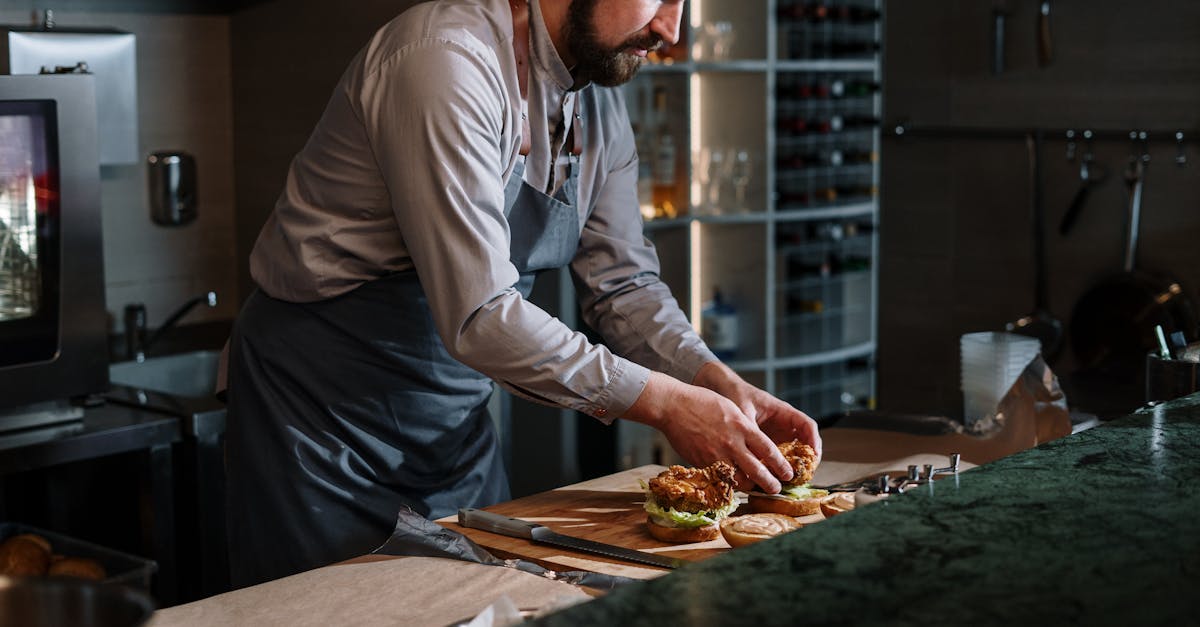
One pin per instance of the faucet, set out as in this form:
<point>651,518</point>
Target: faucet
<point>136,340</point>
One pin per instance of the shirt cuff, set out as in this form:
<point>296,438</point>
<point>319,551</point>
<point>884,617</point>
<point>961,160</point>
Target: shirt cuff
<point>626,385</point>
<point>685,367</point>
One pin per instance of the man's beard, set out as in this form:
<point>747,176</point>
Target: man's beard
<point>594,61</point>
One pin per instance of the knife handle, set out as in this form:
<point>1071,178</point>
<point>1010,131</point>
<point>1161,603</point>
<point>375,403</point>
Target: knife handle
<point>495,523</point>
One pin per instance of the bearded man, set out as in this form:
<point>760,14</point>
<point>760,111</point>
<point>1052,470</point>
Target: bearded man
<point>469,146</point>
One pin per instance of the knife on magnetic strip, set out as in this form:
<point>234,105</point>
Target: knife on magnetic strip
<point>517,528</point>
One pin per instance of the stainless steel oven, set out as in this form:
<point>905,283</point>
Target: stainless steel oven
<point>52,312</point>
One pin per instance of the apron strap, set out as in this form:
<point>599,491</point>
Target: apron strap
<point>520,22</point>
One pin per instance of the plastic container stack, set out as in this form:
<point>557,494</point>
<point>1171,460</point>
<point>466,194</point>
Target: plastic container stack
<point>991,363</point>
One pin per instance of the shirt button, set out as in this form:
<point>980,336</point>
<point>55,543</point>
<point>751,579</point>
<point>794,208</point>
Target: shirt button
<point>600,413</point>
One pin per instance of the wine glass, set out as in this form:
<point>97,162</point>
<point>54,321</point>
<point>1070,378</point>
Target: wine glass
<point>741,170</point>
<point>718,173</point>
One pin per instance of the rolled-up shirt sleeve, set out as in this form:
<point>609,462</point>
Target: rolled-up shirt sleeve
<point>438,129</point>
<point>616,272</point>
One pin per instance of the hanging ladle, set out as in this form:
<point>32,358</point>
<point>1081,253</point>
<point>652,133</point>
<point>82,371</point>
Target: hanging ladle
<point>1039,323</point>
<point>1090,175</point>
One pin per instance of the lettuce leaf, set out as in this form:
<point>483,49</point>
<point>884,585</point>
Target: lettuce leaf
<point>800,492</point>
<point>671,517</point>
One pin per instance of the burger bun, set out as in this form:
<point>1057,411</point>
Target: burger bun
<point>775,504</point>
<point>682,535</point>
<point>751,528</point>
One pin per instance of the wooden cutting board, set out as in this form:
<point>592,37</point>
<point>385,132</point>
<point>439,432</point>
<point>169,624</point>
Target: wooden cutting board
<point>607,509</point>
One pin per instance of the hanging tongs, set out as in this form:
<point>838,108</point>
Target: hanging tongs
<point>1135,177</point>
<point>1090,175</point>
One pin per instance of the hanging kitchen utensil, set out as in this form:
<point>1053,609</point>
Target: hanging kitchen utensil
<point>1000,14</point>
<point>1045,42</point>
<point>1113,323</point>
<point>1090,175</point>
<point>1039,323</point>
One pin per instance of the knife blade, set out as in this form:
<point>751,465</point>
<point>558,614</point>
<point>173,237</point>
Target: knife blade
<point>517,528</point>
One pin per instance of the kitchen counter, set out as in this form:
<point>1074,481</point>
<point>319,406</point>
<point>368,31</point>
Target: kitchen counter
<point>1101,527</point>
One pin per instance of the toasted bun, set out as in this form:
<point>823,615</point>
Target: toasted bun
<point>34,538</point>
<point>751,528</point>
<point>79,567</point>
<point>771,503</point>
<point>682,535</point>
<point>837,503</point>
<point>23,557</point>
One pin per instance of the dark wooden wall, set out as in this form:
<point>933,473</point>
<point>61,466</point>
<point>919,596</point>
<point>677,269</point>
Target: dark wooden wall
<point>956,244</point>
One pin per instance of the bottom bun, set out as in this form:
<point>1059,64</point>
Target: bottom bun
<point>680,535</point>
<point>764,503</point>
<point>835,504</point>
<point>751,528</point>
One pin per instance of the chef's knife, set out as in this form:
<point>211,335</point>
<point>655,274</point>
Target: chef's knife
<point>517,528</point>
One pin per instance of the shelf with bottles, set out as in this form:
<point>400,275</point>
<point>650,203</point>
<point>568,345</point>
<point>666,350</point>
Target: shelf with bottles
<point>828,318</point>
<point>731,259</point>
<point>828,389</point>
<point>827,29</point>
<point>658,106</point>
<point>845,238</point>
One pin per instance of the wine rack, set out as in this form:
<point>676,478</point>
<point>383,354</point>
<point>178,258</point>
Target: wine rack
<point>776,191</point>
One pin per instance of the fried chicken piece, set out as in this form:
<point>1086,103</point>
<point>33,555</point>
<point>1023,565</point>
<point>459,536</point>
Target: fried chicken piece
<point>803,460</point>
<point>694,489</point>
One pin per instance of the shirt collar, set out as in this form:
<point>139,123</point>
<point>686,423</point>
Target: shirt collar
<point>545,56</point>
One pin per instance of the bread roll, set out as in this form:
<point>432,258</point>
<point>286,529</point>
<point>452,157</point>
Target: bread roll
<point>751,528</point>
<point>36,539</point>
<point>80,567</point>
<point>23,557</point>
<point>837,503</point>
<point>770,503</point>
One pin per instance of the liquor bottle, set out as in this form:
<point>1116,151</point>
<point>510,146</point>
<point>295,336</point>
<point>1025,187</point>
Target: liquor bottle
<point>664,167</point>
<point>719,326</point>
<point>645,155</point>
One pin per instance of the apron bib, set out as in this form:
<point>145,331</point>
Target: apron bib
<point>365,410</point>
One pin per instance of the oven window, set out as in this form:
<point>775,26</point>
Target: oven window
<point>29,232</point>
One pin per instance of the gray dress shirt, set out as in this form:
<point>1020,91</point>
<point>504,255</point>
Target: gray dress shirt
<point>406,169</point>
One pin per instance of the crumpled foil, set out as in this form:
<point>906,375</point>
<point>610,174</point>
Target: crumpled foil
<point>1035,397</point>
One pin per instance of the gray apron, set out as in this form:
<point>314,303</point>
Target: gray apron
<point>343,411</point>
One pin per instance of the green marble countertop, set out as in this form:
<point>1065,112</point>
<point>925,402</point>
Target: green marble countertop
<point>1100,527</point>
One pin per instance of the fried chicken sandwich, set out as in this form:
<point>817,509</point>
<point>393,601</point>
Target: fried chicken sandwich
<point>796,498</point>
<point>687,504</point>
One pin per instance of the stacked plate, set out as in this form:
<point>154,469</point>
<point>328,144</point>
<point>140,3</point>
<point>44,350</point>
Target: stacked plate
<point>991,363</point>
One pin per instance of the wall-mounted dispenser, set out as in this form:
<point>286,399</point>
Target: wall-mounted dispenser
<point>172,184</point>
<point>108,54</point>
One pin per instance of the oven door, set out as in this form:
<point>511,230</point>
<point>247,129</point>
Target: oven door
<point>30,233</point>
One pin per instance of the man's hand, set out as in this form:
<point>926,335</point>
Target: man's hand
<point>704,426</point>
<point>779,420</point>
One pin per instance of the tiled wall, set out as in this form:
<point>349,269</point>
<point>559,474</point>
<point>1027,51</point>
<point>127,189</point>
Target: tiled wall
<point>184,103</point>
<point>956,244</point>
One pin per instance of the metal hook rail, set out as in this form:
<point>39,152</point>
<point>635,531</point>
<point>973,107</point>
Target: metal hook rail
<point>903,128</point>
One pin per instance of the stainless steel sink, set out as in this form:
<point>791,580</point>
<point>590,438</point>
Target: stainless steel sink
<point>183,385</point>
<point>191,374</point>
